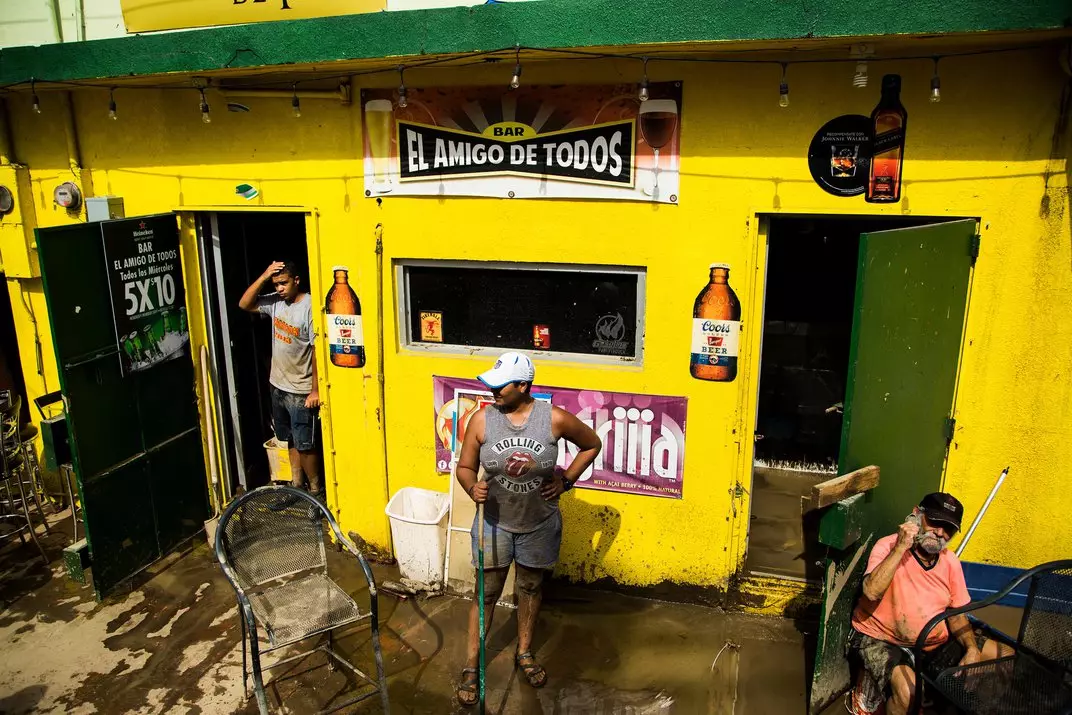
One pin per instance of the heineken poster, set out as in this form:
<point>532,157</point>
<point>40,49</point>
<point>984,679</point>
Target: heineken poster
<point>148,296</point>
<point>574,141</point>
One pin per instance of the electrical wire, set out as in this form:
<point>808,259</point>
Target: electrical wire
<point>491,56</point>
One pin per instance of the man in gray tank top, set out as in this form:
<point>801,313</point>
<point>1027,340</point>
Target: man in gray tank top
<point>516,441</point>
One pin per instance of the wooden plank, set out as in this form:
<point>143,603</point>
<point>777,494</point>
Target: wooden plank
<point>834,490</point>
<point>842,524</point>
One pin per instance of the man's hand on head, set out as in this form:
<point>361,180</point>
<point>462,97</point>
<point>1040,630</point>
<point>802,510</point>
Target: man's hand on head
<point>271,270</point>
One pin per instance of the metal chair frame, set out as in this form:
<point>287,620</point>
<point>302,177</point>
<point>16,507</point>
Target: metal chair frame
<point>249,622</point>
<point>1021,649</point>
<point>17,469</point>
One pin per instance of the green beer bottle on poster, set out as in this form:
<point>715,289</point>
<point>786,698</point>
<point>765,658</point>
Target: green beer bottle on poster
<point>128,348</point>
<point>135,340</point>
<point>346,342</point>
<point>150,341</point>
<point>182,320</point>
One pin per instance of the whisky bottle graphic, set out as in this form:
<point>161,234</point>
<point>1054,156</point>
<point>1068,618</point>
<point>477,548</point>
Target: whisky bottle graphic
<point>888,123</point>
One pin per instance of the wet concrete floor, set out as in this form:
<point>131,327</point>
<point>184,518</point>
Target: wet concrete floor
<point>170,644</point>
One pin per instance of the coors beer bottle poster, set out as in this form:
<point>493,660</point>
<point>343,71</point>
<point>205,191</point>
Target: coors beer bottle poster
<point>716,328</point>
<point>346,342</point>
<point>147,292</point>
<point>579,141</point>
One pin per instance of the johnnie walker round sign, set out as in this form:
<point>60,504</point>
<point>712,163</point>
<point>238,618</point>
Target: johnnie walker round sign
<point>840,154</point>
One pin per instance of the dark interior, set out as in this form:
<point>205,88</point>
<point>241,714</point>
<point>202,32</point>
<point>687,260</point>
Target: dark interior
<point>249,243</point>
<point>10,364</point>
<point>811,284</point>
<point>585,312</point>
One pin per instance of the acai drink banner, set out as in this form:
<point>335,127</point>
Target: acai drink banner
<point>643,435</point>
<point>147,292</point>
<point>577,141</point>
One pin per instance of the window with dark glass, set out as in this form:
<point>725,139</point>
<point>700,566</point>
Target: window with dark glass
<point>563,309</point>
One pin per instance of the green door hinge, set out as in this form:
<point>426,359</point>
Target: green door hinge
<point>950,426</point>
<point>973,250</point>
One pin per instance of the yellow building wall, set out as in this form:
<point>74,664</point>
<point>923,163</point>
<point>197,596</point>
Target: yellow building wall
<point>984,152</point>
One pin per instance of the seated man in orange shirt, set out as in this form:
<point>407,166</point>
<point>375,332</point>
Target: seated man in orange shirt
<point>910,578</point>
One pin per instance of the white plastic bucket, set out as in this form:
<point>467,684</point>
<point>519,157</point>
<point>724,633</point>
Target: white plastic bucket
<point>419,530</point>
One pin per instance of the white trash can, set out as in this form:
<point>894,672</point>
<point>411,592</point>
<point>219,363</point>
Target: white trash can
<point>419,530</point>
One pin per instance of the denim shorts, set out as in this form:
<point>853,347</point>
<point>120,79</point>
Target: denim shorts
<point>294,423</point>
<point>537,549</point>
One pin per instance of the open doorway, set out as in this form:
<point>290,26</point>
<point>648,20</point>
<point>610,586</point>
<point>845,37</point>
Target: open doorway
<point>236,247</point>
<point>10,362</point>
<point>810,295</point>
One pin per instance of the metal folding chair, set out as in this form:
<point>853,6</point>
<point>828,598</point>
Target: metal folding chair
<point>1037,678</point>
<point>270,543</point>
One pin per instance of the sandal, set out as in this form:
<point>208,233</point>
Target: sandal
<point>534,672</point>
<point>468,688</point>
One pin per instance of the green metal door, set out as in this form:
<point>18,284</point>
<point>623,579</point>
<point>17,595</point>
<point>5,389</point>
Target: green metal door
<point>911,297</point>
<point>135,438</point>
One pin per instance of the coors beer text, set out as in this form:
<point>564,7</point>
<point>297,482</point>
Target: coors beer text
<point>716,329</point>
<point>345,339</point>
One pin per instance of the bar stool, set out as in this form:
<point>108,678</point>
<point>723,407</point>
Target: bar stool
<point>14,501</point>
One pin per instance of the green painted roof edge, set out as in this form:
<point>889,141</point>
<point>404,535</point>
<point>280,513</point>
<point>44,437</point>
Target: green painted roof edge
<point>543,23</point>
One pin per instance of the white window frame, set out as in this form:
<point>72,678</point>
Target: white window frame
<point>408,344</point>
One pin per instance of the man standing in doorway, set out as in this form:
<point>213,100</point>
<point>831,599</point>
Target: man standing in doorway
<point>295,398</point>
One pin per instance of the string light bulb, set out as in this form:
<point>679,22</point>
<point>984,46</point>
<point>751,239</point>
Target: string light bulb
<point>295,104</point>
<point>644,94</point>
<point>936,84</point>
<point>859,80</point>
<point>33,91</point>
<point>206,117</point>
<point>403,101</point>
<point>113,112</point>
<point>515,81</point>
<point>783,89</point>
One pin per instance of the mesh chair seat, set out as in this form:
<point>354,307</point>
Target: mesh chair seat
<point>1037,678</point>
<point>1015,685</point>
<point>270,544</point>
<point>302,607</point>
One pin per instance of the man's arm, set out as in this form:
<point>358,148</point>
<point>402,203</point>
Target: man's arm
<point>876,582</point>
<point>312,400</point>
<point>248,301</point>
<point>469,460</point>
<point>567,425</point>
<point>961,629</point>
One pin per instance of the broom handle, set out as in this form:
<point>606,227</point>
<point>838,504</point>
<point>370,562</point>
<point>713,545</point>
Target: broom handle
<point>982,512</point>
<point>480,592</point>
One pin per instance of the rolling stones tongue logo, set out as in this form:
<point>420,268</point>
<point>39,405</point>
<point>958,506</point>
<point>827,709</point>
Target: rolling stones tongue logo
<point>518,464</point>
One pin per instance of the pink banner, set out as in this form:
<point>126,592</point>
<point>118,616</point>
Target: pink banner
<point>643,435</point>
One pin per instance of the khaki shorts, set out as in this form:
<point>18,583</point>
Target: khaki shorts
<point>879,658</point>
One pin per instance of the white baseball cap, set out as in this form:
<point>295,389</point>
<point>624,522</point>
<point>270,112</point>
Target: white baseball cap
<point>510,367</point>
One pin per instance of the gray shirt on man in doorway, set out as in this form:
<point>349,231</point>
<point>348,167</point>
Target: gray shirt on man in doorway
<point>292,342</point>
